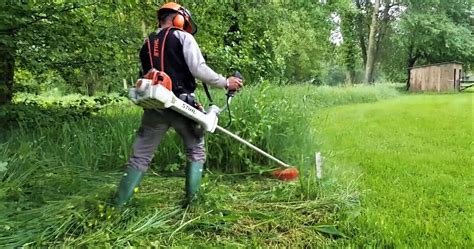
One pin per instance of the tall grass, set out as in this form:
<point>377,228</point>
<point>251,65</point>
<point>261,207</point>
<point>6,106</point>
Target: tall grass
<point>56,179</point>
<point>275,119</point>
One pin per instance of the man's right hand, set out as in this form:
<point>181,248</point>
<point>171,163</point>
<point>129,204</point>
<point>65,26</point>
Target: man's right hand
<point>234,83</point>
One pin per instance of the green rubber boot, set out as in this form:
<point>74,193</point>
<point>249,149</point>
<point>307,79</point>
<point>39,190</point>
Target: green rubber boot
<point>130,180</point>
<point>193,180</point>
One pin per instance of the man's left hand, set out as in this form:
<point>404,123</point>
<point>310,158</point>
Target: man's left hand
<point>234,83</point>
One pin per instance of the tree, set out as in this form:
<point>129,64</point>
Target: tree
<point>369,66</point>
<point>93,45</point>
<point>374,29</point>
<point>86,42</point>
<point>300,38</point>
<point>349,45</point>
<point>431,35</point>
<point>274,40</point>
<point>17,19</point>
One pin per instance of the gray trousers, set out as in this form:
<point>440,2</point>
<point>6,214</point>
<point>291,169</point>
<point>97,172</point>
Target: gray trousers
<point>154,125</point>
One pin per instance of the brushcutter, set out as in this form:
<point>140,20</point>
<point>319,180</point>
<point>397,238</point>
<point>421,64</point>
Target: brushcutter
<point>154,92</point>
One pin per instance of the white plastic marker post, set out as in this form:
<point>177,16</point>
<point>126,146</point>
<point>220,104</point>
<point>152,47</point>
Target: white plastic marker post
<point>125,86</point>
<point>319,165</point>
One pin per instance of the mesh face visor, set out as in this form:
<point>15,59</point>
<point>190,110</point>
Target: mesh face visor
<point>190,26</point>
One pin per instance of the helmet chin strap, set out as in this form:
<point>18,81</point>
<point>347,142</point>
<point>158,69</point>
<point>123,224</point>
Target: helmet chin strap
<point>165,26</point>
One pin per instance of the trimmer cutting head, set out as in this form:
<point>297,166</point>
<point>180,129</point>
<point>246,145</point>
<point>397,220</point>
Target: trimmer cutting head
<point>288,174</point>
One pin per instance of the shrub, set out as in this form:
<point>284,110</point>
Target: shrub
<point>30,110</point>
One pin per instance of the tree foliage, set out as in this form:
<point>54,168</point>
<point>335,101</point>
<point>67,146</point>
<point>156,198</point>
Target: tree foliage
<point>93,45</point>
<point>412,33</point>
<point>439,33</point>
<point>349,45</point>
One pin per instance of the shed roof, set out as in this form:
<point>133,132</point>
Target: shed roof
<point>438,64</point>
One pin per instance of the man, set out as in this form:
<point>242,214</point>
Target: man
<point>174,50</point>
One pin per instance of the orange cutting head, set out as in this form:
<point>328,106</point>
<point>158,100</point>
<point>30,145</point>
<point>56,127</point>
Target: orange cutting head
<point>288,174</point>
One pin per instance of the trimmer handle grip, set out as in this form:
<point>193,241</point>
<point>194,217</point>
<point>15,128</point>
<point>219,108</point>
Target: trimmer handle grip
<point>236,74</point>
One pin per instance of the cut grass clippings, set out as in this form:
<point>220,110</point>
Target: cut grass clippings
<point>238,211</point>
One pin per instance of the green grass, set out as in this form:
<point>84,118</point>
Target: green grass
<point>56,178</point>
<point>413,159</point>
<point>398,173</point>
<point>237,211</point>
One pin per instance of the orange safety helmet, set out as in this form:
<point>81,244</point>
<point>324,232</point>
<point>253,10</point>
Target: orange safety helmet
<point>183,18</point>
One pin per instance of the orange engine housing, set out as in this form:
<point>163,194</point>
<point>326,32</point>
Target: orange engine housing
<point>157,78</point>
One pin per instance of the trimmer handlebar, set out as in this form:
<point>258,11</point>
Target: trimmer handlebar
<point>231,93</point>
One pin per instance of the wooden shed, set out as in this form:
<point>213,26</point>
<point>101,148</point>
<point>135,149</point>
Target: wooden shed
<point>441,77</point>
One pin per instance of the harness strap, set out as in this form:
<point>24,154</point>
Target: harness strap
<point>162,62</point>
<point>162,55</point>
<point>149,52</point>
<point>207,93</point>
<point>163,50</point>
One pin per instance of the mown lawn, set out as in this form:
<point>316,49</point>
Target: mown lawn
<point>412,159</point>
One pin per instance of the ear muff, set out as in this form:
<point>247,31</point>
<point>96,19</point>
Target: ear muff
<point>179,20</point>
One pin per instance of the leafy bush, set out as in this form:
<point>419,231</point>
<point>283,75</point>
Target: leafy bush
<point>48,83</point>
<point>31,110</point>
<point>25,82</point>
